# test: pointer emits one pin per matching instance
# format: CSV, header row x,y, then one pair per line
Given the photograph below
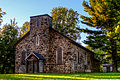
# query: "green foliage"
x,y
99,54
1,15
24,29
8,38
13,22
65,21
115,33
104,15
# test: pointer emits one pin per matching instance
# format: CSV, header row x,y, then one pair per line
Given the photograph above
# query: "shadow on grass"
x,y
60,76
31,77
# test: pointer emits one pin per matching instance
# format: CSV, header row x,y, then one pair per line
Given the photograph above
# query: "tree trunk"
x,y
3,68
114,65
114,56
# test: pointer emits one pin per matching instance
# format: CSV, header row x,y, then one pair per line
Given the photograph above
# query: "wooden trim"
x,y
30,55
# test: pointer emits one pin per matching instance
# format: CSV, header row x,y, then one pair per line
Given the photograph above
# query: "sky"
x,y
21,10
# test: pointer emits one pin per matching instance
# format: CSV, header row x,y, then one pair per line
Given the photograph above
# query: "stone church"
x,y
43,49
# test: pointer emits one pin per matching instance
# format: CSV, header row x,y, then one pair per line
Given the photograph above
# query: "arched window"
x,y
37,40
38,22
59,55
78,58
23,55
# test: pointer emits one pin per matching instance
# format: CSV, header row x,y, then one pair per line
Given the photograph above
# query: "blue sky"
x,y
21,10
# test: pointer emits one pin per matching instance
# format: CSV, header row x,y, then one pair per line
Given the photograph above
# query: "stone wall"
x,y
28,43
49,41
70,55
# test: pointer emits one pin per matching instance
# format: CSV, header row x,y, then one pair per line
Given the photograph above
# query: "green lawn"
x,y
59,76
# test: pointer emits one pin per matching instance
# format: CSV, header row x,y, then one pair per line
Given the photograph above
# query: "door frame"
x,y
32,61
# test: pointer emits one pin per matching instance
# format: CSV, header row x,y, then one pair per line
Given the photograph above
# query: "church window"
x,y
78,58
88,62
37,40
85,55
85,66
38,22
23,55
59,55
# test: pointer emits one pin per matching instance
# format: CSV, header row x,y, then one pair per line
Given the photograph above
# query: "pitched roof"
x,y
77,44
72,41
22,38
39,56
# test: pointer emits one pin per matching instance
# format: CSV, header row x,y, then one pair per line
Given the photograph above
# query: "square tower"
x,y
40,22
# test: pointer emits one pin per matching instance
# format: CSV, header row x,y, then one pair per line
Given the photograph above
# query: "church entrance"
x,y
34,64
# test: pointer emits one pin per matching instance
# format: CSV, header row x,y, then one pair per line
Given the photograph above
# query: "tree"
x,y
1,15
115,36
65,21
8,38
99,54
24,29
104,15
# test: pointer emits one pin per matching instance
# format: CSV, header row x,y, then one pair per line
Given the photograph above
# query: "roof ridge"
x,y
72,40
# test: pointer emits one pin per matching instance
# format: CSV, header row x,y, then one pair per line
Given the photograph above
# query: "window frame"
x,y
23,59
37,40
57,55
78,57
38,22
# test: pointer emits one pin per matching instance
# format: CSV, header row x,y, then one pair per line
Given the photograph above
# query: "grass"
x,y
60,76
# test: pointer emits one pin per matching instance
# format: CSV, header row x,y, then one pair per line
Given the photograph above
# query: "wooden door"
x,y
30,67
41,66
35,67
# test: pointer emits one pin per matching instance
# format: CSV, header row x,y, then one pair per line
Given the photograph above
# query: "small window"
x,y
37,40
23,55
88,62
78,58
85,66
85,55
59,55
38,22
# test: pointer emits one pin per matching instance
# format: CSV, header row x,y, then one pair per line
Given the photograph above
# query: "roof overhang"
x,y
37,55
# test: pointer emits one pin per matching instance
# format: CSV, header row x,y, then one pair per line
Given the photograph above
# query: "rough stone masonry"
x,y
44,49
